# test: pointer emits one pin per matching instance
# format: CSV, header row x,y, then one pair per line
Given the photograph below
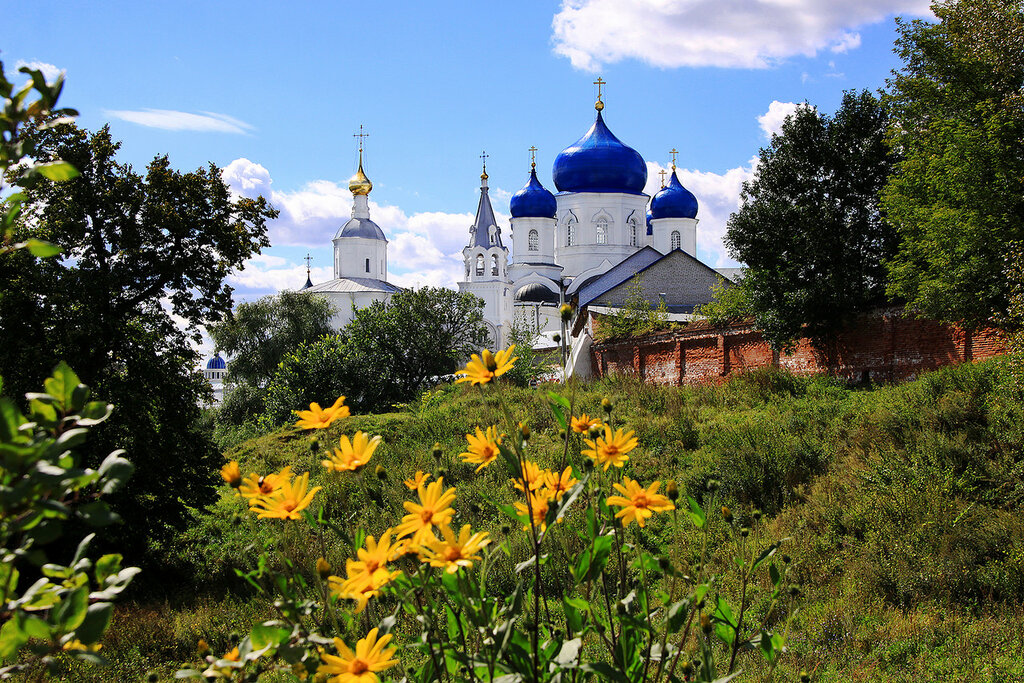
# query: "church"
x,y
582,245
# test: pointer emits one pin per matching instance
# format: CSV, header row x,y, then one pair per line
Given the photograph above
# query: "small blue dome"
x,y
650,228
599,162
216,363
533,201
674,201
361,227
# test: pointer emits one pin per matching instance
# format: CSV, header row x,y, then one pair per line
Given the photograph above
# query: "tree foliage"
x,y
138,249
809,228
636,316
729,303
316,371
957,198
260,334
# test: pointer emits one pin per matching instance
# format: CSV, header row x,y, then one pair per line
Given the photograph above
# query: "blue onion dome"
x,y
674,201
216,363
533,201
599,162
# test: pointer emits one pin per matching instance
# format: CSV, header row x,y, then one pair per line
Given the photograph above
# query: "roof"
x,y
216,363
354,284
361,227
600,162
479,234
617,274
732,274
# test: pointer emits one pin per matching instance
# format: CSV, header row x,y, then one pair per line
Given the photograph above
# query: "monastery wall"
x,y
882,346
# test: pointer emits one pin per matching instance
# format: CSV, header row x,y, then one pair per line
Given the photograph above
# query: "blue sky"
x,y
274,92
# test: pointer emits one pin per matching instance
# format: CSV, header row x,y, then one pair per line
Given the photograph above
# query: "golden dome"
x,y
359,184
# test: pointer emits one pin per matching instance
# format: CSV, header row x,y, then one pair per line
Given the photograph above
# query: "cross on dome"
x,y
599,105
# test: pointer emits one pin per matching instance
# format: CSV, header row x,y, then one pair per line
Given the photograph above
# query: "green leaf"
x,y
574,616
696,513
97,513
71,611
41,249
114,471
605,672
568,653
591,562
57,171
268,634
61,385
559,400
95,623
12,636
678,613
107,566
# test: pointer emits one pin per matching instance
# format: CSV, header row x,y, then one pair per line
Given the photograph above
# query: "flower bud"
x,y
744,532
805,677
607,405
566,312
727,514
524,430
794,590
202,647
786,558
672,490
621,609
705,623
323,568
757,514
152,677
381,473
665,564
686,667
556,338
713,485
437,451
588,464
505,529
594,431
488,360
442,473
314,443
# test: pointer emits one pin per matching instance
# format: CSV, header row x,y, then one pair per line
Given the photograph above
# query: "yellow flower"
x,y
232,475
638,503
417,480
539,505
556,485
583,423
362,665
534,476
368,574
611,449
287,502
352,455
485,367
76,644
318,418
483,448
434,509
452,553
254,487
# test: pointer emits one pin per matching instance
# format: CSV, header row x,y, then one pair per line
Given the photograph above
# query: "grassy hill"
x,y
902,503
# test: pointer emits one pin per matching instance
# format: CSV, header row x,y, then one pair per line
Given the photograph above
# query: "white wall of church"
x,y
685,238
360,257
598,226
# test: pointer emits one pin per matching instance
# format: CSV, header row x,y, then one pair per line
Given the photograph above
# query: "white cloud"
x,y
50,72
742,34
718,195
168,119
771,121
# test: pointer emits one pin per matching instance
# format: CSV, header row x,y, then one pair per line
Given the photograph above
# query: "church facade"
x,y
599,218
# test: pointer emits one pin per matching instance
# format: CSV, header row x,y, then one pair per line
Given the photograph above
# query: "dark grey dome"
x,y
536,293
361,227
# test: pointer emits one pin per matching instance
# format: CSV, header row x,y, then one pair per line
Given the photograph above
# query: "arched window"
x,y
494,265
479,264
570,232
533,239
632,232
602,230
676,240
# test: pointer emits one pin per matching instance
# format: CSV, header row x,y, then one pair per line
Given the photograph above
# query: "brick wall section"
x,y
883,346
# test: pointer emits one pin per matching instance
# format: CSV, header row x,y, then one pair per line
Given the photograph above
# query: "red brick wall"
x,y
884,346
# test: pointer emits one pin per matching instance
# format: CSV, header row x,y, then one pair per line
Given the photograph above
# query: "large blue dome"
x,y
599,162
674,201
533,201
216,363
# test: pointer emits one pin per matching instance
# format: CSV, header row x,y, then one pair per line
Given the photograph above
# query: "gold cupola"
x,y
359,184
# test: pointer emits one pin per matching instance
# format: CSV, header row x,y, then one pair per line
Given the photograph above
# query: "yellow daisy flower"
x,y
254,487
232,475
417,480
483,448
638,503
434,509
583,423
320,418
611,449
353,454
485,367
556,485
287,502
452,553
76,644
539,505
534,476
361,666
368,574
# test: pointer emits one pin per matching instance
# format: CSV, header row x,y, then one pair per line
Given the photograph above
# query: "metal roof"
x,y
354,284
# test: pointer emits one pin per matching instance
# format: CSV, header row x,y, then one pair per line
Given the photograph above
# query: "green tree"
x,y
729,303
809,227
957,198
139,249
315,371
637,315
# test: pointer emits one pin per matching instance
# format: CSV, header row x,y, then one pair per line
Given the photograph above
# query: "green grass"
x,y
903,504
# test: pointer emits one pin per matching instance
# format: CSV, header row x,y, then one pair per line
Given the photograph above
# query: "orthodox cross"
x,y
484,155
674,152
599,83
662,172
361,135
533,157
308,260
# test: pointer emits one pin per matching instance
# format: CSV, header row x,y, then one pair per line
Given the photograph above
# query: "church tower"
x,y
674,217
486,260
360,248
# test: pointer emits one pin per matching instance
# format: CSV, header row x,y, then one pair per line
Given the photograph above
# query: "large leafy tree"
x,y
809,227
957,198
139,250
